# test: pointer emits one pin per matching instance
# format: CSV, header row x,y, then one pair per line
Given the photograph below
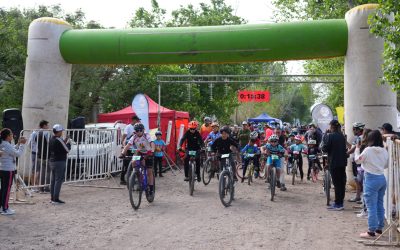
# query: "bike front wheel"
x,y
192,178
294,172
272,182
226,188
206,173
135,190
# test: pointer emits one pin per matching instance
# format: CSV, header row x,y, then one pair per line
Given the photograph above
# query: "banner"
x,y
140,107
340,114
253,96
322,115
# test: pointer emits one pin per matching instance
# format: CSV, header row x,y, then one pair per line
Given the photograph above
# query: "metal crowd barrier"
x,y
93,156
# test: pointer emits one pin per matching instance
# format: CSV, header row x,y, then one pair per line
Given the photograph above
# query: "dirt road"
x,y
95,218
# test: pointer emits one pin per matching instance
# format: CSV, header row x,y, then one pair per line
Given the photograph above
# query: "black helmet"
x,y
225,129
158,133
138,127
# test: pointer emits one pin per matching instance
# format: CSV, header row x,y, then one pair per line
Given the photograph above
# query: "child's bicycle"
x,y
137,182
250,168
314,167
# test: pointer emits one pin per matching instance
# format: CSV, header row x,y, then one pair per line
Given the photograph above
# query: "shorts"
x,y
360,176
276,163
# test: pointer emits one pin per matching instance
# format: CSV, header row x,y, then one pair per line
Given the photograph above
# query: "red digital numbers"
x,y
253,96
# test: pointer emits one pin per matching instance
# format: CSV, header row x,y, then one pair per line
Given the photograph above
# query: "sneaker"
x,y
242,180
283,188
161,175
362,214
278,184
308,178
186,179
198,178
58,202
332,206
354,199
336,207
8,212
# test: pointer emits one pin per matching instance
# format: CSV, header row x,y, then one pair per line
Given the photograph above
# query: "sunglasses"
x,y
192,129
273,141
139,130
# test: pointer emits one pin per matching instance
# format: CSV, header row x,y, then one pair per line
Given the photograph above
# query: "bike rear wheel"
x,y
327,186
272,182
191,177
135,190
206,173
226,188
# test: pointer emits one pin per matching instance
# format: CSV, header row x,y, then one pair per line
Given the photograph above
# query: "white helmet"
x,y
273,138
254,135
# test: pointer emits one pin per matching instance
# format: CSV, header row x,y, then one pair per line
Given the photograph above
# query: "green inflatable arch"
x,y
212,44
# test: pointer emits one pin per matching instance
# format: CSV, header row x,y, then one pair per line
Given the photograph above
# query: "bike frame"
x,y
142,170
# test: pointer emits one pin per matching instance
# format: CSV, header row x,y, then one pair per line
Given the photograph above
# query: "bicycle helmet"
x,y
254,135
214,124
225,129
244,123
298,138
158,133
312,125
138,127
273,138
207,119
358,125
312,142
291,135
193,124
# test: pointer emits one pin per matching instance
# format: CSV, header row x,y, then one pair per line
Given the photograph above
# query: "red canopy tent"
x,y
177,118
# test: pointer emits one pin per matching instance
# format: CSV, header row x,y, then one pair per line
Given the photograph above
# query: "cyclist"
x,y
223,145
282,142
205,129
358,129
213,135
273,148
299,147
144,146
313,133
312,150
126,136
251,148
194,142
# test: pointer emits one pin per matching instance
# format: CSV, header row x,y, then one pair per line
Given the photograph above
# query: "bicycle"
x,y
210,167
314,167
272,175
327,181
250,168
226,188
263,170
192,170
138,182
295,165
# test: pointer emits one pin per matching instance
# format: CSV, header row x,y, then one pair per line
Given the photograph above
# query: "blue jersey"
x,y
213,136
250,149
298,147
275,150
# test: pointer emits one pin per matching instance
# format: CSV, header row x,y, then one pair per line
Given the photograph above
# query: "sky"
x,y
117,13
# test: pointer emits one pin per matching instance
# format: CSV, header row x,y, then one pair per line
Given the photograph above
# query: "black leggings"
x,y
157,162
6,178
310,166
300,165
187,158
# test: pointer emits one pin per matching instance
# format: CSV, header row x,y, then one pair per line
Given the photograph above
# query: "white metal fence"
x,y
391,200
93,155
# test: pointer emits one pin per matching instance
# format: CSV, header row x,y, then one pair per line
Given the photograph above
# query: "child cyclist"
x,y
213,135
273,149
223,145
251,149
145,147
312,153
300,148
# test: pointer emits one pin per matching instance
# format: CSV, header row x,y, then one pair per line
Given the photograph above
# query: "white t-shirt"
x,y
373,159
142,143
129,131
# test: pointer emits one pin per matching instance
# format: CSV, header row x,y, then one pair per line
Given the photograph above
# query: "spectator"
x,y
334,143
374,159
244,135
313,133
128,133
235,133
32,144
7,166
58,149
206,128
158,153
387,131
43,169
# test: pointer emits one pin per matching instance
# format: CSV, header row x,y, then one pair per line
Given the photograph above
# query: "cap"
x,y
387,126
58,128
135,117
